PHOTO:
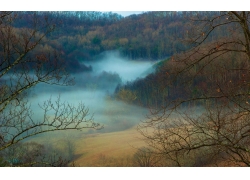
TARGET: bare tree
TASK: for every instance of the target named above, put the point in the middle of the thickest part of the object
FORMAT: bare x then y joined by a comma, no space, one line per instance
209,124
145,157
23,66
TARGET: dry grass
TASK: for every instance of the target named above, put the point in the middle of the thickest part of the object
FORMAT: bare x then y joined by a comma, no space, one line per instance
98,149
116,146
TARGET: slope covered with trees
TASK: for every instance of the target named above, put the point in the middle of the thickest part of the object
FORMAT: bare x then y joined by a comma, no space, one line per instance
81,36
201,96
171,81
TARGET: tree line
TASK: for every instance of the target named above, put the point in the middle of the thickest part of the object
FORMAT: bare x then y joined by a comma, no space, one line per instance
202,117
81,36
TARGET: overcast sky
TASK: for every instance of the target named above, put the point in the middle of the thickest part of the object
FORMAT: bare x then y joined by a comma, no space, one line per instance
123,5
127,13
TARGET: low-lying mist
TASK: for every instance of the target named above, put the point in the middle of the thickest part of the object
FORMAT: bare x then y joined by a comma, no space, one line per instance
95,90
128,70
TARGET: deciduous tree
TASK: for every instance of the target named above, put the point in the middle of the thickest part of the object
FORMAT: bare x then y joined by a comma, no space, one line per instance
209,125
21,69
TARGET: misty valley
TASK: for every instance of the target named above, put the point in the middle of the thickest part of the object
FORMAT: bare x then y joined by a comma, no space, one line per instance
96,89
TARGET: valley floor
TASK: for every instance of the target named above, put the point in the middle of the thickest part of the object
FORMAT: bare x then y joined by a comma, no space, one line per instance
108,149
114,149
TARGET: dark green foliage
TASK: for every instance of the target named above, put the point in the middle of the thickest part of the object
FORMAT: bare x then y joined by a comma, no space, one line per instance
96,40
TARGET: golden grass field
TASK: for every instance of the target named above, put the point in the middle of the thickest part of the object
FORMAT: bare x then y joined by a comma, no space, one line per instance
113,149
98,149
115,146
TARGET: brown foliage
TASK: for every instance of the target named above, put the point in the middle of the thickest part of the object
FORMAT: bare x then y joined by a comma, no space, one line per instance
211,124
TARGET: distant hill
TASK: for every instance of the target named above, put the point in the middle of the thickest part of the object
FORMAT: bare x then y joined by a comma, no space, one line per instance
80,36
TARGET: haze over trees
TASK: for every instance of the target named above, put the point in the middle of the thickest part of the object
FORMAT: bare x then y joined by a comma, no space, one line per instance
198,94
200,97
22,67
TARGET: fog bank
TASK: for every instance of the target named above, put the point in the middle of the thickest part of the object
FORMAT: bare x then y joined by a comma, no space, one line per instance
128,70
94,89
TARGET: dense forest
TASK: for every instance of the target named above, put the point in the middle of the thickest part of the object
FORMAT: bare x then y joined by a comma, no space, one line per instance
207,78
162,87
81,36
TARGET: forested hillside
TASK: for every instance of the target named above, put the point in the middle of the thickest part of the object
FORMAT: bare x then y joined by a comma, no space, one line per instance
80,36
161,88
204,78
192,108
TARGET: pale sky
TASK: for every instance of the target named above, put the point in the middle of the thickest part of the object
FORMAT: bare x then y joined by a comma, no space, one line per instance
123,5
126,13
